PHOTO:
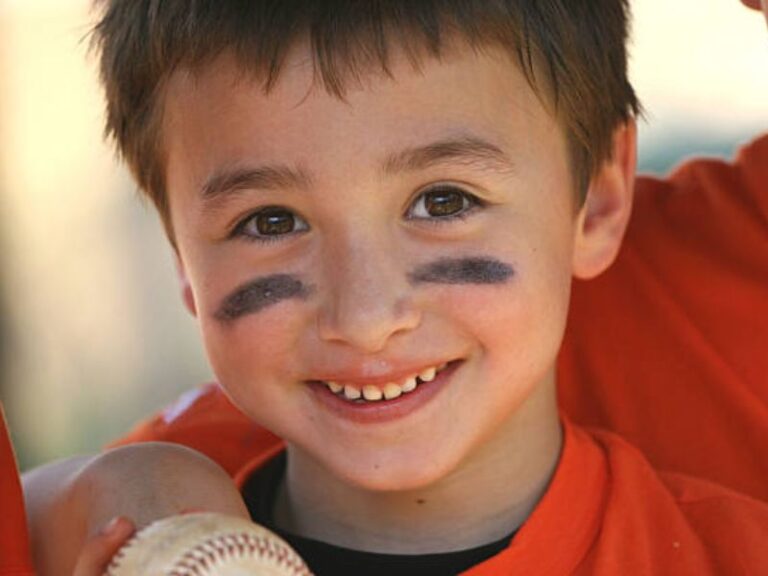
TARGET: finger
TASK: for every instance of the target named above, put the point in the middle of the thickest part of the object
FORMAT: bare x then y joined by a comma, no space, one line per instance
752,4
99,549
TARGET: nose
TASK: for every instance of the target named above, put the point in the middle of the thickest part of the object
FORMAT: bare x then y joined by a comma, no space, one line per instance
367,299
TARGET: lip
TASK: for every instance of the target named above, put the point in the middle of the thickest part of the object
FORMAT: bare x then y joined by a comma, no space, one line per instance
384,410
355,378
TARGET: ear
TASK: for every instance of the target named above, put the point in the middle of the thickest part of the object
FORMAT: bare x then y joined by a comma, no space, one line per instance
187,296
603,218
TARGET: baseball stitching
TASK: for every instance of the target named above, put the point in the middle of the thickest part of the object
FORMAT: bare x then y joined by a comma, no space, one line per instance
203,557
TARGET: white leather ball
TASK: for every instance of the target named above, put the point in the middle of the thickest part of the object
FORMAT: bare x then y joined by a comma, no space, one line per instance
203,544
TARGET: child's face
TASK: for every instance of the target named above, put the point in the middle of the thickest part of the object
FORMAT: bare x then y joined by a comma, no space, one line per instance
428,219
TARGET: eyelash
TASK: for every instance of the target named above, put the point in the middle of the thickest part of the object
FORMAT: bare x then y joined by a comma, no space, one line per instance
470,202
239,229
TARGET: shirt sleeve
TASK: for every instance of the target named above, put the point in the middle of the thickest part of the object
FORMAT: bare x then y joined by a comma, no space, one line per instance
15,557
668,347
205,420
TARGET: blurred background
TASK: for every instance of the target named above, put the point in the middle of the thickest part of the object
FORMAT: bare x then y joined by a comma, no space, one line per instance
92,332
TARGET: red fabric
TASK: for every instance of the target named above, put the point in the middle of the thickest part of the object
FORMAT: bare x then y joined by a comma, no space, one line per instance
669,347
607,512
205,419
15,558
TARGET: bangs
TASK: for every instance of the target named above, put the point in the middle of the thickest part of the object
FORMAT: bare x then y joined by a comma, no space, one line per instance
572,53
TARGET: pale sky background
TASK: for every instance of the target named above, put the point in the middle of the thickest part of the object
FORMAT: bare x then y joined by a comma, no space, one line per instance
96,335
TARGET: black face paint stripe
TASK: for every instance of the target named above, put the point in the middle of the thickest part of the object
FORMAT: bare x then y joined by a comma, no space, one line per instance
259,294
463,271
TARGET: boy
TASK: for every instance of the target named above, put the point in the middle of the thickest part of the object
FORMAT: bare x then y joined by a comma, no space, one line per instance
377,210
666,347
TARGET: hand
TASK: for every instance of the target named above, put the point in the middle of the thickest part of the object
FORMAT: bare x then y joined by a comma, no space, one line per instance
99,549
68,501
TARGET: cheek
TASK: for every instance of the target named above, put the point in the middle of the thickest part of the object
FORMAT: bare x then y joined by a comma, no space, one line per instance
256,363
525,312
519,326
261,346
242,348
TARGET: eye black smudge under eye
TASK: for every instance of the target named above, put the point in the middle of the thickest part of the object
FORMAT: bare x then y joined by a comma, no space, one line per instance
463,271
259,294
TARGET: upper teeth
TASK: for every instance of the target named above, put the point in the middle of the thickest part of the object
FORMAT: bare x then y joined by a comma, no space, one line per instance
389,391
392,390
428,375
351,393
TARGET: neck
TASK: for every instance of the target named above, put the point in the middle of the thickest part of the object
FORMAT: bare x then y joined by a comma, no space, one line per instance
489,496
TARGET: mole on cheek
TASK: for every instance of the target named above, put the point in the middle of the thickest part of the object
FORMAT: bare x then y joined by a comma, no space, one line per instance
256,295
463,271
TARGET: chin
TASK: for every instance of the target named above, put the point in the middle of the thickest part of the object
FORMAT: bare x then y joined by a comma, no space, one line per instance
394,472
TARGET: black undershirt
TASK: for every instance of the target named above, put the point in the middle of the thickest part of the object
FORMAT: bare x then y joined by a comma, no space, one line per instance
260,492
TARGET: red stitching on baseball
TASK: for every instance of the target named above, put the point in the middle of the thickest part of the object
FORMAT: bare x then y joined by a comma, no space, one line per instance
202,558
207,554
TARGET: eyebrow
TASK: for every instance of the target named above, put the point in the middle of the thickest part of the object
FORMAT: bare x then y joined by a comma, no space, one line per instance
465,150
226,181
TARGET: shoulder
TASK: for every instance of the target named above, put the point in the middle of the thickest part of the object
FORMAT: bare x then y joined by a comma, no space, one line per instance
689,521
206,420
731,524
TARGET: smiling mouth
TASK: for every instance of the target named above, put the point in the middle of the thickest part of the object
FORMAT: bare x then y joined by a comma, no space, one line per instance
372,394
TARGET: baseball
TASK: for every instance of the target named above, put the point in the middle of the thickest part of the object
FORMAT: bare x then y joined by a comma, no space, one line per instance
203,544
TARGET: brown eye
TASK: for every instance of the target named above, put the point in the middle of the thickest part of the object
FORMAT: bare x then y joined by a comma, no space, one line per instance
444,202
270,222
274,221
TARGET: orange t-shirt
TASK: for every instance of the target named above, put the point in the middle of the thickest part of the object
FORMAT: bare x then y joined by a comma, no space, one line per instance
15,558
669,347
606,511
204,419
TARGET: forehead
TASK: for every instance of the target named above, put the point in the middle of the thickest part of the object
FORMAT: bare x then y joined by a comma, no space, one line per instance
220,115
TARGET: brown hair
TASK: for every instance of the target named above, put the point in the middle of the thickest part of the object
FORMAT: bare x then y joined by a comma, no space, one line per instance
572,52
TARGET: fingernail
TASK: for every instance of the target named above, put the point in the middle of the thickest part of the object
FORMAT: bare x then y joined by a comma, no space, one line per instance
111,527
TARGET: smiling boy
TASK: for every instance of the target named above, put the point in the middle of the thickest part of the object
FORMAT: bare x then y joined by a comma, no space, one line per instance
359,191
420,249
377,210
424,219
